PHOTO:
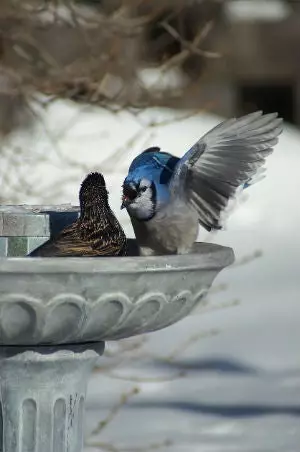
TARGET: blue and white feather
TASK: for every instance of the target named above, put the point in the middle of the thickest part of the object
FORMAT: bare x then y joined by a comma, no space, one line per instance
167,197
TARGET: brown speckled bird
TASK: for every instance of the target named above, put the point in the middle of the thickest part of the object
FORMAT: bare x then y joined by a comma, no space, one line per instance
97,232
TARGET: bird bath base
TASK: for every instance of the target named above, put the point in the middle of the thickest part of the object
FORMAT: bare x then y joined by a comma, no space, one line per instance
43,390
78,301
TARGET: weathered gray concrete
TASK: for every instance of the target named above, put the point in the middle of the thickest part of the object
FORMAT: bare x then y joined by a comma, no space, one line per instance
24,228
47,302
73,300
43,391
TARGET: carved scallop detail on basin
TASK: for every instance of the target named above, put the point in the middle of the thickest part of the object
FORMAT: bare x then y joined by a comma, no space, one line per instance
22,319
66,315
69,317
71,300
105,315
199,298
142,317
174,309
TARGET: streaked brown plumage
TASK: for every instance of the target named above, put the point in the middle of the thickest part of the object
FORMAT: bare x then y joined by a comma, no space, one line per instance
97,232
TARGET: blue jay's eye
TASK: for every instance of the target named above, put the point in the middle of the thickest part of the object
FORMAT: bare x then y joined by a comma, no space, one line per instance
143,189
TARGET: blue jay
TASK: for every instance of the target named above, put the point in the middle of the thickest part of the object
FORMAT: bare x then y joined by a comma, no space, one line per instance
168,197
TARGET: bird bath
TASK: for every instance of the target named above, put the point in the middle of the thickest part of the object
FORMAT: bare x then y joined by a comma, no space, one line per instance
57,313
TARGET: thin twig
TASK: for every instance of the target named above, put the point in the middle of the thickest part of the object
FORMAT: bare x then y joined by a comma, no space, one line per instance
108,447
188,45
115,410
247,259
135,379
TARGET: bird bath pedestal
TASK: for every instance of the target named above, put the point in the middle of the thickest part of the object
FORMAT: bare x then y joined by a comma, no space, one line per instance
57,313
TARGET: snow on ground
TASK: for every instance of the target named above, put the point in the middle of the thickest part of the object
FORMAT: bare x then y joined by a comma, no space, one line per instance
241,391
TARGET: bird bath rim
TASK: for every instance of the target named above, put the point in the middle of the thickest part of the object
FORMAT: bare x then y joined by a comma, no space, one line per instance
77,300
202,256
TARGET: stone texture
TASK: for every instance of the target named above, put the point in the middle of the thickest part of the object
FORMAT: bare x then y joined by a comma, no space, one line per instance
76,300
71,300
19,246
24,228
43,392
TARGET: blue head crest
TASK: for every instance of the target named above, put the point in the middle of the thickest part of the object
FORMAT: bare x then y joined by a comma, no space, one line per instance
153,164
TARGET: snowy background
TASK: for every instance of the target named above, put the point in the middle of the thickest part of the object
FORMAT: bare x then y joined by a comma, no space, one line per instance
241,385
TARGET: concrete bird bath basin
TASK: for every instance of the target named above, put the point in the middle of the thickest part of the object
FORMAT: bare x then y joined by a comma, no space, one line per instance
57,313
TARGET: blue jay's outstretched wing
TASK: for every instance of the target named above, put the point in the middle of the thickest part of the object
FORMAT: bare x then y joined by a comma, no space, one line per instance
225,158
258,176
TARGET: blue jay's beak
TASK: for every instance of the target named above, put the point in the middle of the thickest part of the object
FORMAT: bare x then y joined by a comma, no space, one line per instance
129,194
125,202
